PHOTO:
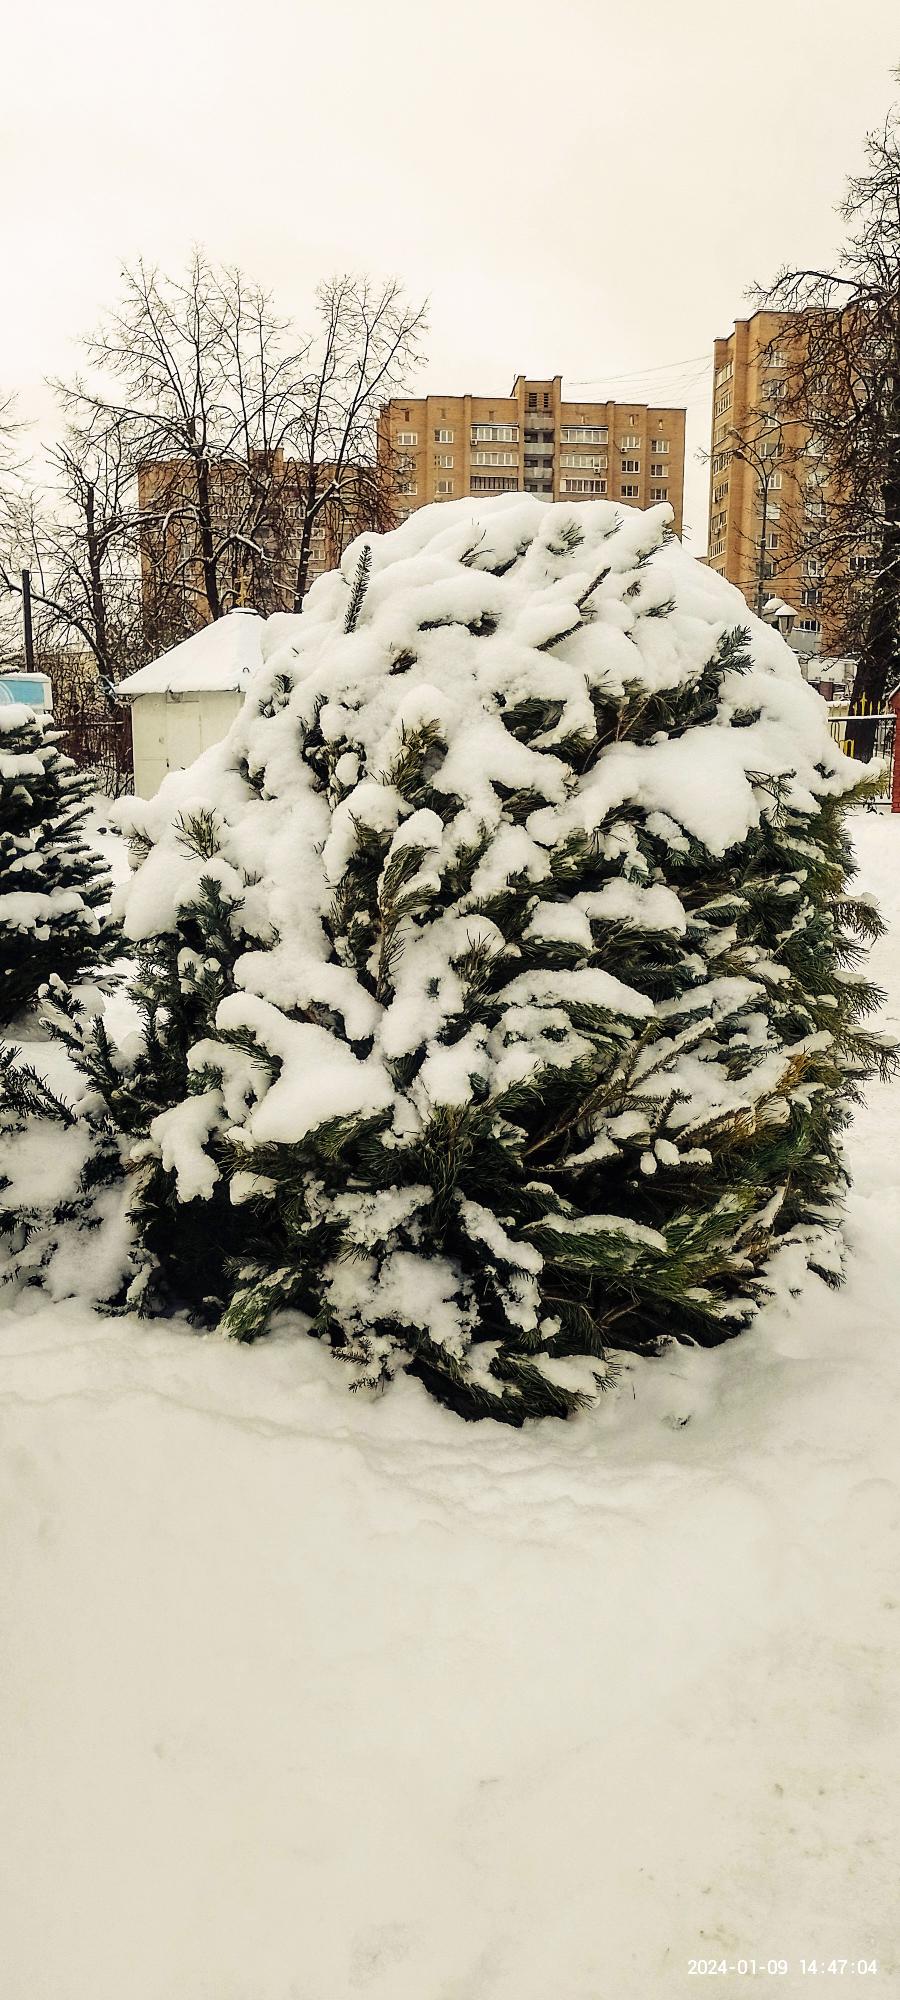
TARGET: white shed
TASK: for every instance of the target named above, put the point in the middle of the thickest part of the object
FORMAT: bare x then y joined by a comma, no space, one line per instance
189,697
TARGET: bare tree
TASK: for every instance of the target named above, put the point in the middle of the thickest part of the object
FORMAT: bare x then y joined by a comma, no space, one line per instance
10,429
194,378
369,343
841,387
76,536
240,432
10,483
208,453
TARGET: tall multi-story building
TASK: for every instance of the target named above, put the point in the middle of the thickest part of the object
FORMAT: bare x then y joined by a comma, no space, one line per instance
766,490
533,441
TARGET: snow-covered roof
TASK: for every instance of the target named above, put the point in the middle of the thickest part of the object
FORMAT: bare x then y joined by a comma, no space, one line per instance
218,657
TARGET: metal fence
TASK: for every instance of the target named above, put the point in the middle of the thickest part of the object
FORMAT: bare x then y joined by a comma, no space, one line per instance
101,742
865,733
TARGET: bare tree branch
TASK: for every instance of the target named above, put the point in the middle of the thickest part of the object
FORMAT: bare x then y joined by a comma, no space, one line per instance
840,412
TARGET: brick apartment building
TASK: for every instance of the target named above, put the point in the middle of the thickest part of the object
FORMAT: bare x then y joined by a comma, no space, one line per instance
761,511
533,441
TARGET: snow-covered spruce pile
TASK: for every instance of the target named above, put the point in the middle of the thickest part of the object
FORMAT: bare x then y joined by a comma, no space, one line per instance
52,885
496,972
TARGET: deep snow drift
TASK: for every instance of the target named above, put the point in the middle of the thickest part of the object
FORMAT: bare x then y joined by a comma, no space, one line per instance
308,1696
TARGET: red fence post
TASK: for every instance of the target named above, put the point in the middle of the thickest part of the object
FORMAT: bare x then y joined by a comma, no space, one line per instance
895,770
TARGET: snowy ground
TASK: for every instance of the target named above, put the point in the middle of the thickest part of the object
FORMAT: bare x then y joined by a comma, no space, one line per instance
306,1698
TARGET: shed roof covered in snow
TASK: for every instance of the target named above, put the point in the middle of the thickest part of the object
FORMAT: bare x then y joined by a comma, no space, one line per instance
219,657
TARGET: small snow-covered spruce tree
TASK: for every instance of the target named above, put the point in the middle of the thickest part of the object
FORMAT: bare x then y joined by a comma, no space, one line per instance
499,974
53,885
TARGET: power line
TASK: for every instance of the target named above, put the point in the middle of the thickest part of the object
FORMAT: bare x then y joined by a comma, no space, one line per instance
638,374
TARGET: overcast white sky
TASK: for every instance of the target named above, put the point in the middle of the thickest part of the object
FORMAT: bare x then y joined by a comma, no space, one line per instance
584,187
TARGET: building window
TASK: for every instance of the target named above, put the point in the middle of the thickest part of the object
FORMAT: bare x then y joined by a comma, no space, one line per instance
662,472
771,541
811,596
532,399
775,480
629,492
809,625
583,486
585,461
407,437
718,549
492,483
659,493
723,403
444,486
630,443
495,458
444,459
723,374
443,437
660,445
407,486
631,465
584,434
495,433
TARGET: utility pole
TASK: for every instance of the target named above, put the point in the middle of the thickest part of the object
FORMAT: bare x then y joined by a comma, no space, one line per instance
26,619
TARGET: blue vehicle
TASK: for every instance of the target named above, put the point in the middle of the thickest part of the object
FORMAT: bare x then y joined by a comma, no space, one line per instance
34,690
